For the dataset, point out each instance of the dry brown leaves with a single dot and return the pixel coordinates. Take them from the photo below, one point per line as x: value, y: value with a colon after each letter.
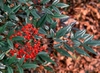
x: 87, y: 15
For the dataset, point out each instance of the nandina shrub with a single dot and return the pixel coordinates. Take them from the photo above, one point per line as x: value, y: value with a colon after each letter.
x: 25, y: 24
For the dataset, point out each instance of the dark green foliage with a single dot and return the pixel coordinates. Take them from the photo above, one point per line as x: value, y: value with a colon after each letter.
x: 14, y: 13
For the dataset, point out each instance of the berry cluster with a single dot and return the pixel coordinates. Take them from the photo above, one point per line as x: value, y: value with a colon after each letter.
x: 30, y: 49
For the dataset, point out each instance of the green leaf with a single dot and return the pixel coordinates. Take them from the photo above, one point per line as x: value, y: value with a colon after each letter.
x: 45, y: 1
x: 14, y: 17
x: 27, y: 20
x: 22, y: 1
x: 80, y: 51
x: 12, y: 60
x: 55, y: 2
x: 57, y: 45
x: 49, y: 19
x: 72, y: 35
x: 7, y: 9
x: 1, y: 21
x: 9, y: 69
x: 76, y: 43
x: 24, y: 8
x: 89, y: 49
x: 21, y: 61
x: 10, y: 43
x: 58, y: 40
x: 10, y: 23
x: 48, y: 68
x: 41, y: 21
x: 10, y: 33
x: 16, y: 8
x: 46, y: 27
x: 42, y: 31
x: 29, y: 66
x: 1, y: 4
x: 18, y: 38
x: 56, y: 9
x: 2, y: 56
x: 34, y: 13
x: 2, y: 28
x: 1, y: 37
x: 37, y: 37
x: 27, y: 12
x: 20, y: 69
x: 2, y: 43
x: 46, y: 10
x: 63, y: 31
x: 45, y: 57
x: 79, y: 34
x: 61, y: 16
x: 89, y: 38
x: 63, y: 52
x: 68, y: 47
x: 34, y: 22
x: 39, y: 59
x: 93, y: 42
x: 62, y: 5
x: 86, y: 36
x: 53, y: 25
x: 2, y: 66
x: 52, y: 33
